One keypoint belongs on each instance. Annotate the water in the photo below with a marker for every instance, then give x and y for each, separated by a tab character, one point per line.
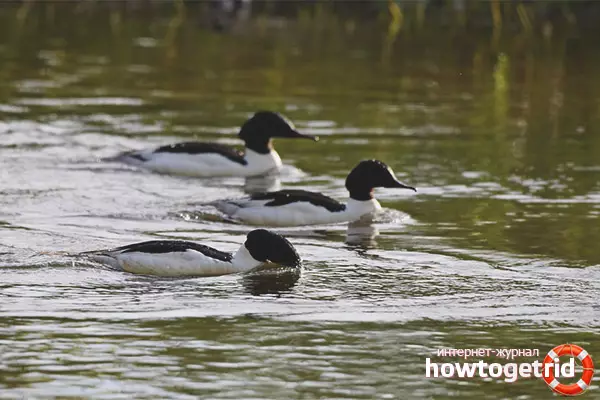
498	249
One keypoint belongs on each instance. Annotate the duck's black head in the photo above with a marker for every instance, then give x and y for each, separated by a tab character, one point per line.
258	131
369	174
264	245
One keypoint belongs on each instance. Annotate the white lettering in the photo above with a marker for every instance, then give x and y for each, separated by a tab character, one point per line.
511	372
567	370
429	366
467	370
481	365
537	367
447	370
498	370
547	372
525	370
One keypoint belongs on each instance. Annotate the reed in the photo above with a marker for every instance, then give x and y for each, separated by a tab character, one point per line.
528	16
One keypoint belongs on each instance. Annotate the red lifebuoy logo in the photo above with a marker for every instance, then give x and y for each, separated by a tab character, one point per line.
550	364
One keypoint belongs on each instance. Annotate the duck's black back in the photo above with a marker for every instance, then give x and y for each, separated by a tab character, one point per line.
173	246
203	147
283	197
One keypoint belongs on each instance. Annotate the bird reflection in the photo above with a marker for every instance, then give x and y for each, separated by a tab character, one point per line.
362	234
261	184
275	281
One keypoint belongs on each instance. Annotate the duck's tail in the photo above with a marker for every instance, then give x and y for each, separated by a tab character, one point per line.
102	257
127	157
227	207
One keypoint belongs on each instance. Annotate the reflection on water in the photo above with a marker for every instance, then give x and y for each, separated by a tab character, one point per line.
266	183
273	283
497	129
362	234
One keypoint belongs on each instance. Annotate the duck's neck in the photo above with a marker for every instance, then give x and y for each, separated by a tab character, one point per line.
259	164
259	145
361	207
361	194
242	261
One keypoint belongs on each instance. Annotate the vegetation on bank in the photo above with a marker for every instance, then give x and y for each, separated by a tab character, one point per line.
528	16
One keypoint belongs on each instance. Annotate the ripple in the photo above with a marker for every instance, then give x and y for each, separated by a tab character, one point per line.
81	101
497	249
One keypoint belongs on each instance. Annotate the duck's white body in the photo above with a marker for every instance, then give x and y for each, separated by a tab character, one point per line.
182	258
208	159
205	164
180	263
293	207
255	212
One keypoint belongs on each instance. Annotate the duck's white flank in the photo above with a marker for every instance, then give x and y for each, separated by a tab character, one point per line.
207	164
255	212
181	263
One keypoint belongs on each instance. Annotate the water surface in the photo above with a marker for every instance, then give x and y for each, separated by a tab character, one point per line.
499	247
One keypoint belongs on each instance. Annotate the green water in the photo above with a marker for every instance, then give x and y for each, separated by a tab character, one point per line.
498	249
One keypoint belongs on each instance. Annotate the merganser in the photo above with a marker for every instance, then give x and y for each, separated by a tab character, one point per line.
299	207
182	258
215	159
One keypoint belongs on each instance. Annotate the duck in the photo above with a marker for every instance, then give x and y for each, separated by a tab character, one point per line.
172	258
206	159
294	207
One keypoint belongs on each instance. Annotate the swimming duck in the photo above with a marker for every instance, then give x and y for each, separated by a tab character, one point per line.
300	207
215	159
182	258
